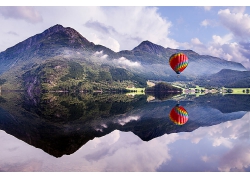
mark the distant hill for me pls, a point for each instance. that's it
(147, 60)
(227, 78)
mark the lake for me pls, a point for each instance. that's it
(124, 133)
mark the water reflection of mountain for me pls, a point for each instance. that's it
(62, 124)
(227, 103)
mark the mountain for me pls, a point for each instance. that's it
(47, 44)
(147, 60)
(199, 65)
(150, 53)
(228, 78)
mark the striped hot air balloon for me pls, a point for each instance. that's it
(178, 115)
(178, 62)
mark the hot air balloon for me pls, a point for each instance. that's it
(178, 115)
(178, 62)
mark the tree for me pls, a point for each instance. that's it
(2, 81)
(105, 76)
(229, 91)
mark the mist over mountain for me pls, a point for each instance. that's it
(147, 60)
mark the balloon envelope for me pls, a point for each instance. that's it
(178, 115)
(178, 62)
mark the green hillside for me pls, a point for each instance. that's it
(76, 76)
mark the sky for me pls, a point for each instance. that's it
(216, 30)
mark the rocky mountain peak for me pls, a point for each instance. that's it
(68, 32)
(150, 47)
(55, 35)
(54, 29)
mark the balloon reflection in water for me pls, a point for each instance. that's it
(178, 115)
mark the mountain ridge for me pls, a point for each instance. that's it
(228, 78)
(54, 29)
(147, 59)
(146, 45)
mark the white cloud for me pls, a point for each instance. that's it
(104, 125)
(125, 120)
(236, 21)
(195, 41)
(222, 47)
(104, 56)
(107, 140)
(238, 158)
(205, 23)
(28, 14)
(207, 8)
(127, 154)
(97, 53)
(222, 40)
(209, 22)
(226, 47)
(130, 26)
(238, 9)
(101, 55)
(122, 61)
(126, 62)
(222, 141)
(205, 158)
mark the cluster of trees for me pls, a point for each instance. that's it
(163, 91)
(72, 76)
(75, 71)
(163, 87)
(247, 91)
(2, 81)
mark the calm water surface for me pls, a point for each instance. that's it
(119, 132)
